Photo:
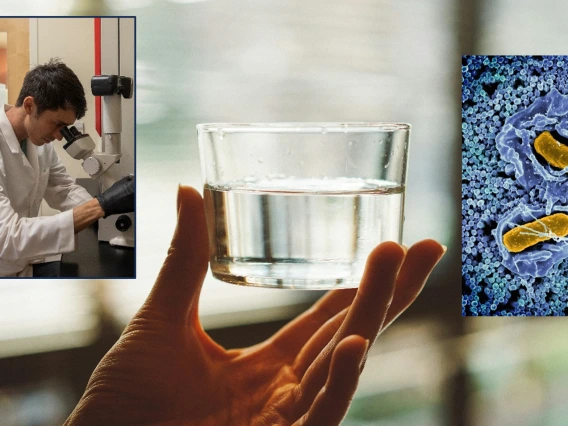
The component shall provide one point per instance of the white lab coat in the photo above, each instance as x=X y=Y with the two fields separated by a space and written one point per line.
x=26 y=238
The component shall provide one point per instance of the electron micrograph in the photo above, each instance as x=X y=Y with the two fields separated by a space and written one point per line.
x=515 y=185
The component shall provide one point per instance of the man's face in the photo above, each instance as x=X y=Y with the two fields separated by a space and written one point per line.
x=46 y=127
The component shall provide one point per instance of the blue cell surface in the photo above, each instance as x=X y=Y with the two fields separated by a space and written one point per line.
x=506 y=102
x=515 y=144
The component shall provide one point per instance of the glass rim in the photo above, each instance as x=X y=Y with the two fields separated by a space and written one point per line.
x=304 y=127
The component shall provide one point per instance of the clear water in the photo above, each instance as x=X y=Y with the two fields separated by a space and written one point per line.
x=299 y=233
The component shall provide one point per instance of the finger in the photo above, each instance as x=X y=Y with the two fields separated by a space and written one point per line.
x=322 y=337
x=317 y=342
x=292 y=338
x=366 y=315
x=178 y=285
x=333 y=400
x=419 y=262
x=375 y=293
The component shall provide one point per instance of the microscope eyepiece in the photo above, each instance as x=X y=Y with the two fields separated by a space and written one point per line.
x=66 y=132
x=71 y=134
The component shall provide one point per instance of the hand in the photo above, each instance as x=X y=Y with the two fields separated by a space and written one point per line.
x=119 y=198
x=166 y=370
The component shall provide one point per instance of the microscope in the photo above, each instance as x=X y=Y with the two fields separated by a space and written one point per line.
x=116 y=229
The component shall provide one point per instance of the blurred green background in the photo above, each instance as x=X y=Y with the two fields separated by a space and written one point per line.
x=254 y=61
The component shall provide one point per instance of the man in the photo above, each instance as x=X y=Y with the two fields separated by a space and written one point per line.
x=51 y=98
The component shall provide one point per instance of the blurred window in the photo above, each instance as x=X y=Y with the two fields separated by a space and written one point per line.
x=252 y=61
x=46 y=315
x=255 y=61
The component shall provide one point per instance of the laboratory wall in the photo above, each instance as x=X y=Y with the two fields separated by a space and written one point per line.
x=71 y=40
x=17 y=53
x=127 y=68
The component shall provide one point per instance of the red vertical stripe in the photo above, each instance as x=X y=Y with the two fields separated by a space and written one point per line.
x=98 y=72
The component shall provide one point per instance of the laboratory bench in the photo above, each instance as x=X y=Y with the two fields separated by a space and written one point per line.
x=97 y=259
x=94 y=258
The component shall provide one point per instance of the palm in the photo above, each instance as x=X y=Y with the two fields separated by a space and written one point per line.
x=166 y=370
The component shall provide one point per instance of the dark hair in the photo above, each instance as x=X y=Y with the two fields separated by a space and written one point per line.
x=53 y=86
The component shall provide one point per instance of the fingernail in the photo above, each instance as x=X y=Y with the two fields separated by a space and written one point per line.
x=404 y=248
x=444 y=248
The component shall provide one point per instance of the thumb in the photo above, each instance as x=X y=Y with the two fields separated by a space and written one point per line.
x=176 y=291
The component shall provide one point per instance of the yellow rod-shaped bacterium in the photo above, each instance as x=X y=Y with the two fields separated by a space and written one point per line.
x=529 y=234
x=553 y=151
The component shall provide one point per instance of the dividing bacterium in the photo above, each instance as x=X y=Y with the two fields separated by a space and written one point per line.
x=537 y=227
x=524 y=236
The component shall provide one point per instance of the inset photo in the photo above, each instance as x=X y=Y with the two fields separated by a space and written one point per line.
x=67 y=147
x=515 y=185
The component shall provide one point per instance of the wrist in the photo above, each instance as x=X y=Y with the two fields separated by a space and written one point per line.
x=98 y=208
x=100 y=205
x=87 y=214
